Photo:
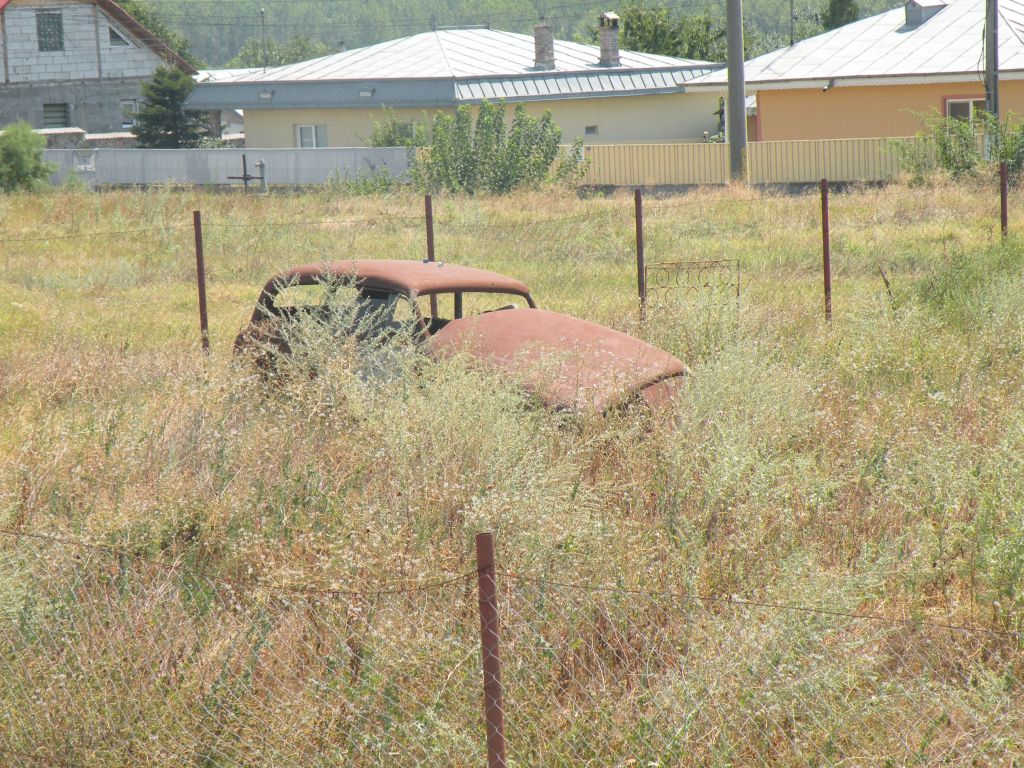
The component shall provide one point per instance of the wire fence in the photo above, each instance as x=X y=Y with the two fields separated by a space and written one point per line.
x=112 y=658
x=722 y=224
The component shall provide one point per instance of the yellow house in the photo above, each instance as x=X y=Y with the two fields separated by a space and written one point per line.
x=598 y=93
x=878 y=76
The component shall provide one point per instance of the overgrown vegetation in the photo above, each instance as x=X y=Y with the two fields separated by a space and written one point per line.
x=964 y=148
x=21 y=158
x=869 y=466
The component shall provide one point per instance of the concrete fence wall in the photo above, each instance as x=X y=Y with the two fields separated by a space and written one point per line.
x=117 y=167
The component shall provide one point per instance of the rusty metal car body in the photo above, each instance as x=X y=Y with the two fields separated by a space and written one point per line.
x=566 y=362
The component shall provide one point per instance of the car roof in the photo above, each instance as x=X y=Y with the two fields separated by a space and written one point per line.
x=412 y=278
x=563 y=360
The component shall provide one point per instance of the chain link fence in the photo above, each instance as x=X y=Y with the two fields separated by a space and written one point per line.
x=110 y=659
x=609 y=676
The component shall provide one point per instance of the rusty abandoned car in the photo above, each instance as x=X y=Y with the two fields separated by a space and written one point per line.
x=565 y=362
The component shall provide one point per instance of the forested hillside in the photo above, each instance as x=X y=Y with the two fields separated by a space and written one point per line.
x=217 y=29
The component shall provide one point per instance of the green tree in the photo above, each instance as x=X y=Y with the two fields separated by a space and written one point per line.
x=150 y=19
x=21 y=158
x=161 y=122
x=649 y=29
x=703 y=37
x=839 y=13
x=298 y=48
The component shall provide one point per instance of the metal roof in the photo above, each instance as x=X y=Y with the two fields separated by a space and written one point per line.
x=216 y=75
x=445 y=68
x=946 y=47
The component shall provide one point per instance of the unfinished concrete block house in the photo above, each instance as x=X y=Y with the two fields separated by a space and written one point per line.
x=75 y=63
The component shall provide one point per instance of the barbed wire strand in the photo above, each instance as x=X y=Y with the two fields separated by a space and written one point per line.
x=384 y=589
x=732 y=600
x=86 y=235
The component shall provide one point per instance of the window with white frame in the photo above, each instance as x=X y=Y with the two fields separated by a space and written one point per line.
x=50 y=30
x=310 y=136
x=964 y=109
x=129 y=107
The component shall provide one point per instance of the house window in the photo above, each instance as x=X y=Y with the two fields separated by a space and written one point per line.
x=128 y=109
x=50 y=30
x=964 y=109
x=115 y=38
x=590 y=130
x=310 y=136
x=55 y=116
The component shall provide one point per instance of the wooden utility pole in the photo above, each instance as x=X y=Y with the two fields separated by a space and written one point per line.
x=736 y=108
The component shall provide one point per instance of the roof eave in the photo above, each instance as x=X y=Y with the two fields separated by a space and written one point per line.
x=135 y=27
x=578 y=96
x=848 y=82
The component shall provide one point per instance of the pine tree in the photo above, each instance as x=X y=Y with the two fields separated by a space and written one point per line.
x=161 y=123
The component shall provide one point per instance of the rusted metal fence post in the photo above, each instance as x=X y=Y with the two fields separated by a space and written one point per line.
x=428 y=205
x=1004 y=194
x=826 y=250
x=641 y=267
x=204 y=325
x=494 y=708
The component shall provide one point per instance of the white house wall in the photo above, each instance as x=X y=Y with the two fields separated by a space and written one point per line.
x=624 y=119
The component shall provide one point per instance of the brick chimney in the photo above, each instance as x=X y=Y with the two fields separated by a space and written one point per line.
x=608 y=26
x=543 y=46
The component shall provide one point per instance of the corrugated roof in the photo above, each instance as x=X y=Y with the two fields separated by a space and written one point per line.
x=569 y=86
x=444 y=68
x=947 y=46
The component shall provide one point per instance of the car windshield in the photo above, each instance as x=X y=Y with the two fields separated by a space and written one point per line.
x=451 y=306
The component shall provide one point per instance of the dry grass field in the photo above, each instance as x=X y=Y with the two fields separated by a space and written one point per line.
x=283 y=573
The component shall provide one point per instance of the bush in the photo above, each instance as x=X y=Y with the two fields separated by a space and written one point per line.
x=392 y=132
x=21 y=158
x=490 y=156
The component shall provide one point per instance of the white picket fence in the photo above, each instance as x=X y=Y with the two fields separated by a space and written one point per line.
x=213 y=167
